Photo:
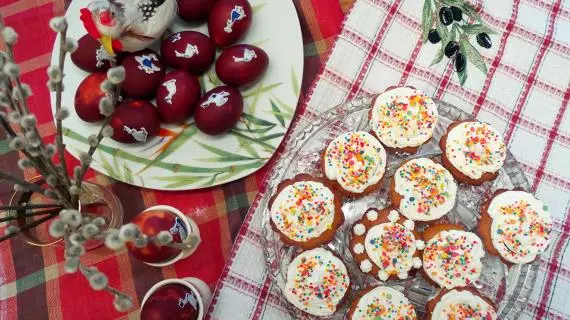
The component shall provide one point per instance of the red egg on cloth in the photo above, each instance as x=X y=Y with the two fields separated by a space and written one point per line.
x=177 y=96
x=241 y=65
x=151 y=223
x=219 y=110
x=171 y=302
x=194 y=10
x=87 y=97
x=188 y=50
x=229 y=21
x=135 y=121
x=144 y=72
x=90 y=55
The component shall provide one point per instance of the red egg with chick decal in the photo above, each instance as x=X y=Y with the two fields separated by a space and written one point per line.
x=229 y=21
x=241 y=65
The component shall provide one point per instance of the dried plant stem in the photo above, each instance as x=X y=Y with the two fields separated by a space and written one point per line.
x=30 y=225
x=58 y=92
x=31 y=206
x=30 y=186
x=29 y=214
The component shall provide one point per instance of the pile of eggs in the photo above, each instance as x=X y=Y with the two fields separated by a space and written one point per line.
x=178 y=93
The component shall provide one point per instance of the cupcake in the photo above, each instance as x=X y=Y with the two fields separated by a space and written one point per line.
x=317 y=282
x=473 y=151
x=423 y=190
x=355 y=162
x=460 y=303
x=452 y=256
x=305 y=211
x=381 y=303
x=515 y=226
x=385 y=245
x=403 y=119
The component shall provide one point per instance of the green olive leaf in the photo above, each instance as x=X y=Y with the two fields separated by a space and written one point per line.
x=456 y=3
x=470 y=11
x=427 y=19
x=462 y=76
x=472 y=55
x=438 y=56
x=443 y=33
x=477 y=28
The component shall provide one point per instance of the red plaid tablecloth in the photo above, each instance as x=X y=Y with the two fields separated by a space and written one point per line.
x=33 y=284
x=525 y=95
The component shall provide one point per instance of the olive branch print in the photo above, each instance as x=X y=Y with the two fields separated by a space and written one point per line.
x=452 y=23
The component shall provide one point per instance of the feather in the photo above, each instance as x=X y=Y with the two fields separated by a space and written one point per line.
x=129 y=33
x=89 y=24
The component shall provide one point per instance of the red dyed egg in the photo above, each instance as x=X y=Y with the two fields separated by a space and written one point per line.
x=219 y=110
x=151 y=223
x=171 y=302
x=229 y=21
x=144 y=72
x=90 y=55
x=87 y=97
x=135 y=121
x=194 y=10
x=188 y=50
x=241 y=65
x=177 y=96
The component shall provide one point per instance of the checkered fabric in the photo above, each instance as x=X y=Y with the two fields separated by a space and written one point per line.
x=524 y=95
x=33 y=284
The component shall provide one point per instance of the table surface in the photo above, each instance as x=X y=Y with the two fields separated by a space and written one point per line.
x=33 y=276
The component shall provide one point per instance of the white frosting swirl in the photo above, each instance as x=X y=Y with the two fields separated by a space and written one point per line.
x=403 y=117
x=316 y=282
x=521 y=226
x=453 y=258
x=428 y=190
x=475 y=148
x=391 y=247
x=384 y=303
x=304 y=210
x=356 y=160
x=463 y=304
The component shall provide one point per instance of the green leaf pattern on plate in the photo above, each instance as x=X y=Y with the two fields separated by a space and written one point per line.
x=182 y=157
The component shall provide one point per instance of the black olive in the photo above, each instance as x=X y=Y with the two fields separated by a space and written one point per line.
x=451 y=49
x=460 y=62
x=433 y=36
x=484 y=40
x=446 y=16
x=457 y=13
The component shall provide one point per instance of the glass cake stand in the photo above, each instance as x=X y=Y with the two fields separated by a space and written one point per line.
x=508 y=288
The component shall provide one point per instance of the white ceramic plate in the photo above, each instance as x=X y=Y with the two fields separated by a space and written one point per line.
x=191 y=159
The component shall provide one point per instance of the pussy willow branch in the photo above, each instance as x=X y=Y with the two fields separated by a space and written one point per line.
x=31 y=225
x=85 y=166
x=31 y=206
x=39 y=165
x=29 y=214
x=58 y=92
x=91 y=151
x=25 y=184
x=23 y=109
x=85 y=272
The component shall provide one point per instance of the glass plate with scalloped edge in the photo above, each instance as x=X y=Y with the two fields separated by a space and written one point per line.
x=181 y=157
x=508 y=288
